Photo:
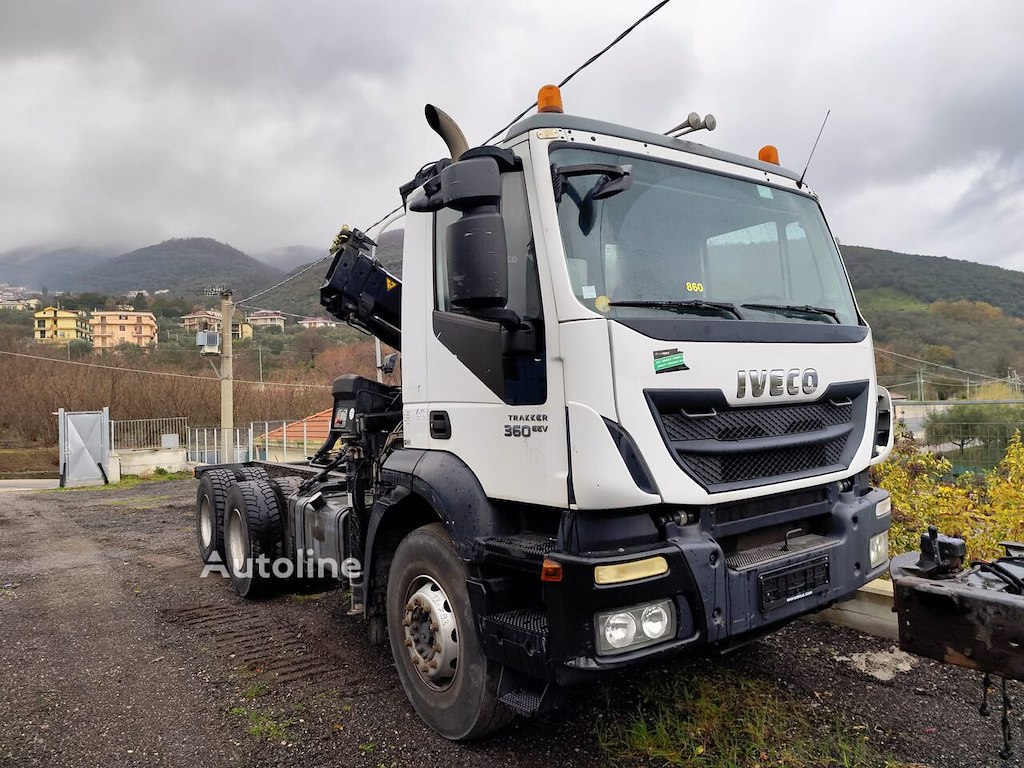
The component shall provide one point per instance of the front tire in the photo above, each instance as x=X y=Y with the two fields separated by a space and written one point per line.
x=253 y=534
x=446 y=676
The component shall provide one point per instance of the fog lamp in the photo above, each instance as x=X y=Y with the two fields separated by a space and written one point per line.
x=878 y=549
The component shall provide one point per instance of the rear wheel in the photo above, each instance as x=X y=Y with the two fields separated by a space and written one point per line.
x=253 y=536
x=210 y=498
x=449 y=681
x=251 y=473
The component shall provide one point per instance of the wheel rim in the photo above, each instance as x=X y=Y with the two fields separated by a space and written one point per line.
x=431 y=633
x=236 y=545
x=205 y=522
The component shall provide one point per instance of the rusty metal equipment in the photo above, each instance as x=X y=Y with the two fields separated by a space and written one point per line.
x=971 y=616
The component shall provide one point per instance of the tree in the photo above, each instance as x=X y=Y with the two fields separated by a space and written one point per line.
x=992 y=426
x=79 y=348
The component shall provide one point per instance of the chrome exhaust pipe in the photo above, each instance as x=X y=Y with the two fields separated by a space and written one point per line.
x=447 y=129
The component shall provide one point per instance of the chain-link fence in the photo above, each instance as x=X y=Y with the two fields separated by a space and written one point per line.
x=972 y=434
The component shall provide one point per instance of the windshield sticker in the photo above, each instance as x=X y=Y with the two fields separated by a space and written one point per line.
x=695 y=287
x=765 y=192
x=668 y=360
x=589 y=292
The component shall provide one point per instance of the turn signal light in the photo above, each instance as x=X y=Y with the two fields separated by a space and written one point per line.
x=550 y=570
x=768 y=154
x=637 y=569
x=549 y=99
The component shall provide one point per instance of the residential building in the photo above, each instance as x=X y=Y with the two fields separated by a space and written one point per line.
x=265 y=318
x=203 y=320
x=210 y=320
x=122 y=326
x=19 y=304
x=316 y=322
x=54 y=325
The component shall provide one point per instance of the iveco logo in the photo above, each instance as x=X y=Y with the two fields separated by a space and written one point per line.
x=776 y=382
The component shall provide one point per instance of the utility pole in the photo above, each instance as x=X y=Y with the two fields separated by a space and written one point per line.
x=920 y=386
x=259 y=348
x=227 y=404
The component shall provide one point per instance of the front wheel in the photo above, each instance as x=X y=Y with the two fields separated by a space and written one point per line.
x=449 y=681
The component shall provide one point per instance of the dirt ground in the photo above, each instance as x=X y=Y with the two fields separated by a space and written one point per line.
x=114 y=652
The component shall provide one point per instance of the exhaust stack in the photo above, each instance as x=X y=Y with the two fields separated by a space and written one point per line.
x=447 y=129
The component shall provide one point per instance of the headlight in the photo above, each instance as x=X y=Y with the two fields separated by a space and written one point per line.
x=884 y=507
x=619 y=630
x=654 y=621
x=878 y=548
x=636 y=627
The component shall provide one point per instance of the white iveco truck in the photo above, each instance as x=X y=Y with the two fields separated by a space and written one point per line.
x=637 y=412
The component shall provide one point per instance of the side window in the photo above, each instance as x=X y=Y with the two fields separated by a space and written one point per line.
x=523 y=284
x=511 y=362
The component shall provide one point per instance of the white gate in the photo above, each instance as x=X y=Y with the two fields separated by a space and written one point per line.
x=84 y=438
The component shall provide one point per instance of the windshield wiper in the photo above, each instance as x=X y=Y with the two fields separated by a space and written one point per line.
x=694 y=306
x=806 y=309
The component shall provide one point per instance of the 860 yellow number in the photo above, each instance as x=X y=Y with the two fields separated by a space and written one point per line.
x=695 y=287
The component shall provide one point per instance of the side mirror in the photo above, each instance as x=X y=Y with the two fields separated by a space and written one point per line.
x=476 y=248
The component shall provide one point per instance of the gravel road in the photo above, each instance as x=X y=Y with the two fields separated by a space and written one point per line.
x=114 y=652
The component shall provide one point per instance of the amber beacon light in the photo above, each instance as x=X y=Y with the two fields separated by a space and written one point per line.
x=768 y=154
x=549 y=99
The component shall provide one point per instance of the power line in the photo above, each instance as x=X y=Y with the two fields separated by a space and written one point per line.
x=497 y=133
x=158 y=373
x=584 y=65
x=938 y=365
x=286 y=280
x=313 y=264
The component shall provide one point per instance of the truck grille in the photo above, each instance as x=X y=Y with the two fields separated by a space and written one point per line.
x=723 y=447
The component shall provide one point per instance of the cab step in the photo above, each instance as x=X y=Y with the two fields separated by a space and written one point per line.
x=519 y=550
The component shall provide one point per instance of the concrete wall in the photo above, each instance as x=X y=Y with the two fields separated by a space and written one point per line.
x=145 y=462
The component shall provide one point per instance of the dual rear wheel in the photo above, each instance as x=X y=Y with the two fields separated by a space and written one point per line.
x=440 y=662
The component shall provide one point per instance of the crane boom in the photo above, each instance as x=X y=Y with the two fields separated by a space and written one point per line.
x=359 y=291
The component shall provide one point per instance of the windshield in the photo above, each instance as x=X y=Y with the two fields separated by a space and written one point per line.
x=693 y=243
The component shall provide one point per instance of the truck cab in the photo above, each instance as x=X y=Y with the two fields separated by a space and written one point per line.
x=637 y=412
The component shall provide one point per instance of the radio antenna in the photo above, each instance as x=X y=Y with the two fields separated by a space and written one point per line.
x=800 y=183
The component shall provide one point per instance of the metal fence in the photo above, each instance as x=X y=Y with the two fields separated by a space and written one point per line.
x=285 y=441
x=140 y=434
x=971 y=434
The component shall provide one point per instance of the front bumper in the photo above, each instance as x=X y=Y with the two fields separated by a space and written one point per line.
x=718 y=600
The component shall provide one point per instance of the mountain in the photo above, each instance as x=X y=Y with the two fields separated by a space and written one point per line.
x=184 y=266
x=935 y=278
x=290 y=257
x=40 y=266
x=302 y=294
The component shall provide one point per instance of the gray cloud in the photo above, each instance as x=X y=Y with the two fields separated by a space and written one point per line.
x=264 y=124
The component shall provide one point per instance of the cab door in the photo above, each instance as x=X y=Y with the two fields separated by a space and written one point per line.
x=494 y=389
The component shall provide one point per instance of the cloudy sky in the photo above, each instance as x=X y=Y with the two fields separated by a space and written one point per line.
x=272 y=123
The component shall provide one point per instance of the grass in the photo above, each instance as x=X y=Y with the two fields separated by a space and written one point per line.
x=254 y=690
x=131 y=481
x=29 y=462
x=262 y=724
x=722 y=720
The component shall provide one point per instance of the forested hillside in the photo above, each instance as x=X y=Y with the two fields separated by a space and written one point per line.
x=934 y=278
x=183 y=266
x=302 y=295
